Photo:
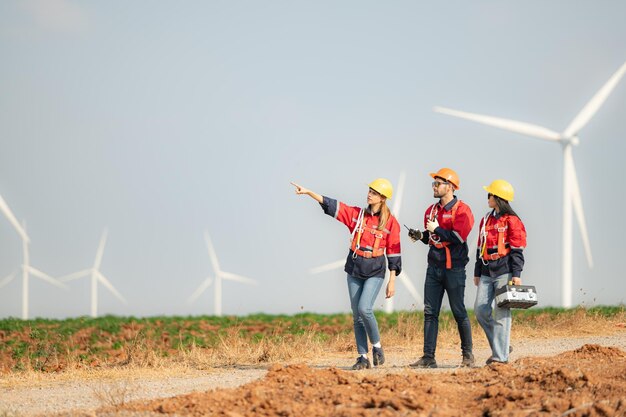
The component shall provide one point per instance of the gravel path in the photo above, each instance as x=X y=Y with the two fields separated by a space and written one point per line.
x=46 y=397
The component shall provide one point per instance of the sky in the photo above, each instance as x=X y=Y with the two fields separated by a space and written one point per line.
x=160 y=120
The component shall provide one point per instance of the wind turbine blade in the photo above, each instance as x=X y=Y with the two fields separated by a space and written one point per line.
x=328 y=267
x=397 y=204
x=75 y=275
x=205 y=284
x=100 y=251
x=506 y=124
x=4 y=207
x=45 y=277
x=7 y=279
x=578 y=208
x=406 y=281
x=212 y=254
x=594 y=104
x=110 y=287
x=234 y=277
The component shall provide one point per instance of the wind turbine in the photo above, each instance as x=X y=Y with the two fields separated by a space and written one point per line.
x=571 y=190
x=403 y=277
x=219 y=276
x=26 y=267
x=96 y=277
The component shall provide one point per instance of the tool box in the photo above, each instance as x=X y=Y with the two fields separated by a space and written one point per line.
x=516 y=296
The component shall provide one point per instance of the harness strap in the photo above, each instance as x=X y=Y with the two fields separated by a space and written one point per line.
x=435 y=241
x=369 y=254
x=356 y=239
x=502 y=246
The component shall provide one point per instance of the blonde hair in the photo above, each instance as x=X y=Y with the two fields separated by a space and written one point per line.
x=385 y=213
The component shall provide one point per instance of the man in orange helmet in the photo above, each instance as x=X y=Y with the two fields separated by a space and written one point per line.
x=448 y=223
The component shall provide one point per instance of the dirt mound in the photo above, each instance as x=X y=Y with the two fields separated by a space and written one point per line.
x=590 y=381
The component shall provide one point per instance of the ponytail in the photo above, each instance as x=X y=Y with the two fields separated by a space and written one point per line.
x=385 y=213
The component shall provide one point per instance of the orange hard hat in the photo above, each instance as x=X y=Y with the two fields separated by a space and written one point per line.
x=448 y=175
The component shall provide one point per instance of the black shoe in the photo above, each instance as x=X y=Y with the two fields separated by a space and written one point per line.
x=425 y=362
x=361 y=363
x=468 y=359
x=378 y=356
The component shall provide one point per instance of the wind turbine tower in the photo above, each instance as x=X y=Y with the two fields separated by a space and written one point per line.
x=219 y=276
x=96 y=277
x=571 y=192
x=26 y=267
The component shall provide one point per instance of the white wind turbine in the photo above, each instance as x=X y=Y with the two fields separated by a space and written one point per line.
x=219 y=276
x=571 y=190
x=403 y=277
x=96 y=277
x=26 y=268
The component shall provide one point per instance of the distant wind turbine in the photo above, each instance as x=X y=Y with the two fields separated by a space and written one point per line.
x=403 y=277
x=219 y=276
x=96 y=277
x=26 y=268
x=571 y=190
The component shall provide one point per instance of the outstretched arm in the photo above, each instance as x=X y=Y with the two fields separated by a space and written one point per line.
x=301 y=190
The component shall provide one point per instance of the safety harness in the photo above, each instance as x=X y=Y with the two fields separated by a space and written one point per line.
x=360 y=228
x=503 y=248
x=434 y=240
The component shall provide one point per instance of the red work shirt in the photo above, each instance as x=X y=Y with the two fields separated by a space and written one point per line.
x=358 y=266
x=455 y=224
x=514 y=238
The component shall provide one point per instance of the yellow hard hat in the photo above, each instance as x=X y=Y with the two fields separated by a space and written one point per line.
x=382 y=186
x=501 y=188
x=448 y=175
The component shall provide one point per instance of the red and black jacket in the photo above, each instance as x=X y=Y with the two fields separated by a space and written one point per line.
x=365 y=266
x=448 y=244
x=501 y=242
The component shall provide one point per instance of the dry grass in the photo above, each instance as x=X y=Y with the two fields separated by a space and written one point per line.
x=237 y=348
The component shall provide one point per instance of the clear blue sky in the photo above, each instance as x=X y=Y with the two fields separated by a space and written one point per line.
x=162 y=119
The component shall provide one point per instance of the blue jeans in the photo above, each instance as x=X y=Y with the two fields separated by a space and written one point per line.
x=495 y=321
x=363 y=293
x=451 y=281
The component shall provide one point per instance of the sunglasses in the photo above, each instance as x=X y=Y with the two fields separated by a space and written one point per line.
x=436 y=184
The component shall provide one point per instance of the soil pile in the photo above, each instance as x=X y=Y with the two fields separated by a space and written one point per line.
x=590 y=381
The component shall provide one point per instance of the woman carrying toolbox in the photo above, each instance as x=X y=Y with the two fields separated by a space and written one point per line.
x=499 y=259
x=375 y=236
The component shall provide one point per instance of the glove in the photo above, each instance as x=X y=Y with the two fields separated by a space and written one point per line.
x=431 y=225
x=415 y=235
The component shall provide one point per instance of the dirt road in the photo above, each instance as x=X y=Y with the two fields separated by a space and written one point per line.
x=55 y=394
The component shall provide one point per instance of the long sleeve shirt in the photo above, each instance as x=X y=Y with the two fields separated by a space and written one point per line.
x=359 y=266
x=455 y=224
x=514 y=239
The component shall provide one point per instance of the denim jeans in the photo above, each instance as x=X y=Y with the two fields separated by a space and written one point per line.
x=495 y=321
x=451 y=281
x=363 y=293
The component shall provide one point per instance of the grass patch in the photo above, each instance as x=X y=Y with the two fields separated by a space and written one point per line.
x=204 y=341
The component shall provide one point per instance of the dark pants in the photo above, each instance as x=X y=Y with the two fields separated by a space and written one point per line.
x=451 y=281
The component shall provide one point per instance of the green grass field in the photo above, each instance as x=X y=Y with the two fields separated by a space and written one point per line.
x=56 y=345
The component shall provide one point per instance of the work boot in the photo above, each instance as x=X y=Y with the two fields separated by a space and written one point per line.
x=468 y=359
x=378 y=356
x=361 y=363
x=425 y=362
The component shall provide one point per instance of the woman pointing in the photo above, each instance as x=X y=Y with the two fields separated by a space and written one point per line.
x=374 y=246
